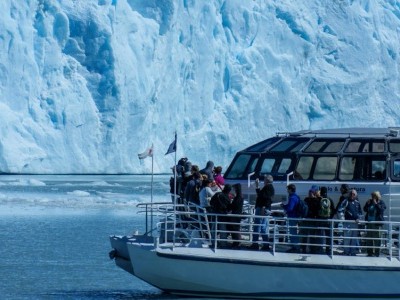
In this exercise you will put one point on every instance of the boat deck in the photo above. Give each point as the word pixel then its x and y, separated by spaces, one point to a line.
pixel 319 240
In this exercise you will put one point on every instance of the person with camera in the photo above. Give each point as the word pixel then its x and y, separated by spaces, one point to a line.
pixel 262 208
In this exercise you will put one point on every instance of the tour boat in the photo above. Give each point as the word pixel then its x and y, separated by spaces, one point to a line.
pixel 182 254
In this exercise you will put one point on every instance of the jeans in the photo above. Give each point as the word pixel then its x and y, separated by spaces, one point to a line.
pixel 351 240
pixel 260 227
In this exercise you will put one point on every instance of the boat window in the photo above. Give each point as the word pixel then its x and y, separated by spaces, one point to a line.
pixel 325 168
pixel 394 146
pixel 298 147
pixel 396 169
pixel 267 166
pixel 264 145
pixel 304 167
pixel 253 165
pixel 363 168
pixel 326 146
pixel 238 169
pixel 289 145
pixel 284 166
pixel 346 171
pixel 361 146
pixel 315 146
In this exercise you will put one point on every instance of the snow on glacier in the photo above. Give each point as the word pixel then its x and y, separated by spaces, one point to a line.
pixel 86 85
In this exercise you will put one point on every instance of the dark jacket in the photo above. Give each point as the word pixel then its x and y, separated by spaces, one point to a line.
pixel 341 199
pixel 377 208
pixel 313 207
pixel 192 191
pixel 351 209
pixel 208 170
pixel 264 196
pixel 220 203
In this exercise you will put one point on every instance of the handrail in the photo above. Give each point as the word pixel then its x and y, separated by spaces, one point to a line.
pixel 196 226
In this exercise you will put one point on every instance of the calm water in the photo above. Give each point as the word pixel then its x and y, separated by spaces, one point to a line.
pixel 54 235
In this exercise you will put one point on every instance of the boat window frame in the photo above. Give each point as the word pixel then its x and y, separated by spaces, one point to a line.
pixel 364 169
pixel 252 162
pixel 311 167
pixel 276 171
pixel 297 145
pixel 363 143
pixel 393 141
pixel 326 143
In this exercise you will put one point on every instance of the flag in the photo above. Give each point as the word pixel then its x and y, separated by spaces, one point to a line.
pixel 172 147
pixel 147 153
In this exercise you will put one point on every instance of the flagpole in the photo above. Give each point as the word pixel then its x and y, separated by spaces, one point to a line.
pixel 151 193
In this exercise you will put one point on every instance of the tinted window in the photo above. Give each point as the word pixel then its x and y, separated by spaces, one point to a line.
pixel 394 146
pixel 325 146
pixel 267 166
pixel 289 145
pixel 325 168
pixel 283 146
pixel 304 167
pixel 363 168
pixel 264 145
pixel 284 166
pixel 346 171
pixel 238 169
pixel 377 146
pixel 396 169
pixel 334 147
pixel 315 146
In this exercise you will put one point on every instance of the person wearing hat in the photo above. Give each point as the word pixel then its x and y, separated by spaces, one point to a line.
pixel 262 208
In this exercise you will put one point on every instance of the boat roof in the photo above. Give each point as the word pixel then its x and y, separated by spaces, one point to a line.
pixel 354 131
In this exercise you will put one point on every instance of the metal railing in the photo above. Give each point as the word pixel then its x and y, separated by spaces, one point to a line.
pixel 191 225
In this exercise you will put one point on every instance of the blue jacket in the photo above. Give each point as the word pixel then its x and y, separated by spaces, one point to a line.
pixel 351 209
pixel 290 207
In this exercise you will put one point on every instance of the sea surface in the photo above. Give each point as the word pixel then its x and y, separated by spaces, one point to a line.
pixel 54 234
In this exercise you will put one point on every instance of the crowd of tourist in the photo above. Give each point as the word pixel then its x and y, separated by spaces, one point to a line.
pixel 308 219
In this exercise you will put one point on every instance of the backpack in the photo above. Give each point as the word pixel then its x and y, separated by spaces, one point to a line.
pixel 325 208
pixel 219 203
pixel 302 208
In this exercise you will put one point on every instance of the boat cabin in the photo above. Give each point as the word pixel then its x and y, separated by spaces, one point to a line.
pixel 367 159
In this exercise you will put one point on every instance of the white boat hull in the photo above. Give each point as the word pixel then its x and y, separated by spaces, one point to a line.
pixel 249 274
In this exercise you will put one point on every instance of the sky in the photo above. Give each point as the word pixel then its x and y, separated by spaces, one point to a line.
pixel 87 85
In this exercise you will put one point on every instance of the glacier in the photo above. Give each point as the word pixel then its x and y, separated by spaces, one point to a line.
pixel 87 85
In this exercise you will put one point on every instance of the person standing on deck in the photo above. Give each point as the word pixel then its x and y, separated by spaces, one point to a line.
pixel 344 191
pixel 351 208
pixel 208 170
pixel 221 204
pixel 308 229
pixel 291 212
pixel 237 209
pixel 374 209
pixel 218 178
pixel 262 208
pixel 326 211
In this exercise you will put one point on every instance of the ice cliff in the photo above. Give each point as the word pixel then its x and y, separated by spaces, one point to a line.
pixel 86 85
